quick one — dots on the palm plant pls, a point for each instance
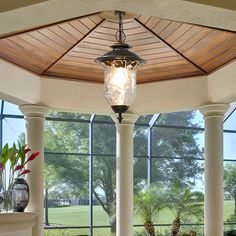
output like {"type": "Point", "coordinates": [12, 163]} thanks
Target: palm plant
{"type": "Point", "coordinates": [183, 203]}
{"type": "Point", "coordinates": [147, 204]}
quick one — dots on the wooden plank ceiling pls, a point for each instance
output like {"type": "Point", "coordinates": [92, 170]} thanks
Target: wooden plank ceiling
{"type": "Point", "coordinates": [172, 49]}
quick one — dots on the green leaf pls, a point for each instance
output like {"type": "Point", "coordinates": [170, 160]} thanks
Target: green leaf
{"type": "Point", "coordinates": [4, 155]}
{"type": "Point", "coordinates": [21, 153]}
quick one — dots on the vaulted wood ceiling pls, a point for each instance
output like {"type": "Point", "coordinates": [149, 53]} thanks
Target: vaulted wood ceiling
{"type": "Point", "coordinates": [68, 49]}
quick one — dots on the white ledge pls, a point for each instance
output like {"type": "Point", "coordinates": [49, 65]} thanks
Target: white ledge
{"type": "Point", "coordinates": [17, 223]}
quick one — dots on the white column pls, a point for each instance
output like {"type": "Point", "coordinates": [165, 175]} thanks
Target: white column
{"type": "Point", "coordinates": [124, 174]}
{"type": "Point", "coordinates": [34, 117]}
{"type": "Point", "coordinates": [214, 170]}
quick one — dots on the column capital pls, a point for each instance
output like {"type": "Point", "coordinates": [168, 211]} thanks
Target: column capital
{"type": "Point", "coordinates": [128, 118]}
{"type": "Point", "coordinates": [31, 110]}
{"type": "Point", "coordinates": [214, 109]}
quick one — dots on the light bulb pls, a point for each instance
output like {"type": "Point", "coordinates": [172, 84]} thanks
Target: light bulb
{"type": "Point", "coordinates": [119, 81]}
{"type": "Point", "coordinates": [120, 85]}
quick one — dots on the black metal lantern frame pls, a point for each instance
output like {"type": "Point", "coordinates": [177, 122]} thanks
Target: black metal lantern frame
{"type": "Point", "coordinates": [120, 72]}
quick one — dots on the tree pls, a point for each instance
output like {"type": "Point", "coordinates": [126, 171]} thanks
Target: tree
{"type": "Point", "coordinates": [176, 149]}
{"type": "Point", "coordinates": [147, 205]}
{"type": "Point", "coordinates": [230, 182]}
{"type": "Point", "coordinates": [72, 169]}
{"type": "Point", "coordinates": [67, 139]}
{"type": "Point", "coordinates": [50, 180]}
{"type": "Point", "coordinates": [183, 203]}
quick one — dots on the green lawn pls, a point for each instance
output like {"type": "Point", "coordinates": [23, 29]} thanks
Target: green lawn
{"type": "Point", "coordinates": [228, 209]}
{"type": "Point", "coordinates": [79, 216]}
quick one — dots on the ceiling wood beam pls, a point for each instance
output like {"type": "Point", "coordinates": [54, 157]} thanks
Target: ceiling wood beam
{"type": "Point", "coordinates": [169, 45]}
{"type": "Point", "coordinates": [74, 45]}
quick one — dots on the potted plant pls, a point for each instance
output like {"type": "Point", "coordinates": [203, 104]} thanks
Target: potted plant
{"type": "Point", "coordinates": [13, 162]}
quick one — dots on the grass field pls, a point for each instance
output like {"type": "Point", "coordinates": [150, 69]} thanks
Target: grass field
{"type": "Point", "coordinates": [79, 216]}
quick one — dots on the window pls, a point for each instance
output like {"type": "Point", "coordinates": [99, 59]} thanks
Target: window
{"type": "Point", "coordinates": [79, 149]}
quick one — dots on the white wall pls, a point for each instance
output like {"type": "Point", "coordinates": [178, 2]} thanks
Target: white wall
{"type": "Point", "coordinates": [53, 11]}
{"type": "Point", "coordinates": [21, 87]}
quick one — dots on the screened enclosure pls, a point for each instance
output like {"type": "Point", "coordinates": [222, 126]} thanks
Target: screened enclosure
{"type": "Point", "coordinates": [80, 167]}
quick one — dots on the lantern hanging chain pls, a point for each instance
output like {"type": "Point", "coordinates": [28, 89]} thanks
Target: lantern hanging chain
{"type": "Point", "coordinates": [120, 35]}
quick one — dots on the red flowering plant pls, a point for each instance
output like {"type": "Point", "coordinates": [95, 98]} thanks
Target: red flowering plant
{"type": "Point", "coordinates": [13, 165]}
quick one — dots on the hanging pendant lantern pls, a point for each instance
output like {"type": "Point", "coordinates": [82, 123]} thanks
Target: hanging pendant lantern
{"type": "Point", "coordinates": [120, 67]}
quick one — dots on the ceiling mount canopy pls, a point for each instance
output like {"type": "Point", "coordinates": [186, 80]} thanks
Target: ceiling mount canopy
{"type": "Point", "coordinates": [120, 67]}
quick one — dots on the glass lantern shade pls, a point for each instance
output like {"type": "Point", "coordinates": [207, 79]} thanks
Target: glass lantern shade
{"type": "Point", "coordinates": [120, 85]}
{"type": "Point", "coordinates": [120, 74]}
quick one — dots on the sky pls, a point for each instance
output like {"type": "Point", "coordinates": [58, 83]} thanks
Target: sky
{"type": "Point", "coordinates": [12, 127]}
